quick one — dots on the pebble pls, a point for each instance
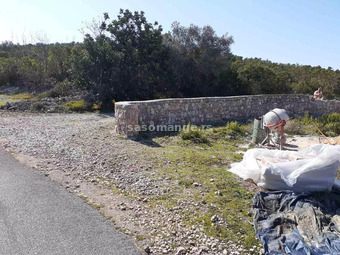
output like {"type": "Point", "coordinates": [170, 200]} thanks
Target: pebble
{"type": "Point", "coordinates": [215, 218]}
{"type": "Point", "coordinates": [181, 251]}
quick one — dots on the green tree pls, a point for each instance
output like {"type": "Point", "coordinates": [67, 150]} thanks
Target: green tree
{"type": "Point", "coordinates": [198, 57]}
{"type": "Point", "coordinates": [125, 61]}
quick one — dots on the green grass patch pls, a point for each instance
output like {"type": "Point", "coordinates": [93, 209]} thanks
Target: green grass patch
{"type": "Point", "coordinates": [77, 106]}
{"type": "Point", "coordinates": [22, 96]}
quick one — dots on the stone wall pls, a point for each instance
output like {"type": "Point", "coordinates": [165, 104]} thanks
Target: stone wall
{"type": "Point", "coordinates": [135, 116]}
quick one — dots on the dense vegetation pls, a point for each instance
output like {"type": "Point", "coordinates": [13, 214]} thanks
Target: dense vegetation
{"type": "Point", "coordinates": [129, 58]}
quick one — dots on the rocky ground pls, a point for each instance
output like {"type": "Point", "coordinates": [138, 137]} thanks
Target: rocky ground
{"type": "Point", "coordinates": [113, 174]}
{"type": "Point", "coordinates": [117, 176]}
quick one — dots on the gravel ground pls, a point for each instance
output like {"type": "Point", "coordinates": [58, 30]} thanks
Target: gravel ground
{"type": "Point", "coordinates": [113, 174]}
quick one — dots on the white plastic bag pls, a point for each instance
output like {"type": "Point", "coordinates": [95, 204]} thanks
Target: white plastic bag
{"type": "Point", "coordinates": [311, 169]}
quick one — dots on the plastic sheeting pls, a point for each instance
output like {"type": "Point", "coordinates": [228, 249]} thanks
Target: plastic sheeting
{"type": "Point", "coordinates": [311, 169]}
{"type": "Point", "coordinates": [299, 224]}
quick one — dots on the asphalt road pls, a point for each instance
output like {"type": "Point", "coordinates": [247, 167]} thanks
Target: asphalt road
{"type": "Point", "coordinates": [38, 216]}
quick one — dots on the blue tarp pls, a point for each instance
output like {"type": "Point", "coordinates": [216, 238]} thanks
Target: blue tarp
{"type": "Point", "coordinates": [298, 223]}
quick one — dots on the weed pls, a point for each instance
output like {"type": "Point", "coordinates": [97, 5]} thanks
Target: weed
{"type": "Point", "coordinates": [140, 237]}
{"type": "Point", "coordinates": [115, 190]}
{"type": "Point", "coordinates": [96, 206]}
{"type": "Point", "coordinates": [82, 196]}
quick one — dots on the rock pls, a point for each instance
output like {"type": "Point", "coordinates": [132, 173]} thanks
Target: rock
{"type": "Point", "coordinates": [204, 249]}
{"type": "Point", "coordinates": [181, 251]}
{"type": "Point", "coordinates": [218, 193]}
{"type": "Point", "coordinates": [147, 250]}
{"type": "Point", "coordinates": [215, 218]}
{"type": "Point", "coordinates": [194, 250]}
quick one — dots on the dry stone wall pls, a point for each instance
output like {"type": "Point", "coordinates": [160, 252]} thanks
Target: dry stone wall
{"type": "Point", "coordinates": [167, 114]}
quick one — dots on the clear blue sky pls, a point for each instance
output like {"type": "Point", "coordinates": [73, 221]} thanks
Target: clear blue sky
{"type": "Point", "coordinates": [286, 31]}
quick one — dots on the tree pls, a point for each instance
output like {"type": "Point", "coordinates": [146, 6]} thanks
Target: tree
{"type": "Point", "coordinates": [125, 61]}
{"type": "Point", "coordinates": [198, 57]}
{"type": "Point", "coordinates": [59, 61]}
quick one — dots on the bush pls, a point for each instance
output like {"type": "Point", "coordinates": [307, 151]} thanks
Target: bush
{"type": "Point", "coordinates": [331, 129]}
{"type": "Point", "coordinates": [232, 130]}
{"type": "Point", "coordinates": [38, 106]}
{"type": "Point", "coordinates": [307, 119]}
{"type": "Point", "coordinates": [297, 127]}
{"type": "Point", "coordinates": [194, 134]}
{"type": "Point", "coordinates": [62, 89]}
{"type": "Point", "coordinates": [328, 124]}
{"type": "Point", "coordinates": [331, 118]}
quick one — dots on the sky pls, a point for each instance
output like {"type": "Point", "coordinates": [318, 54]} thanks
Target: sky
{"type": "Point", "coordinates": [305, 32]}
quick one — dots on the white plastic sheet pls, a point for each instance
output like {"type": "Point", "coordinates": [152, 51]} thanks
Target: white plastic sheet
{"type": "Point", "coordinates": [311, 169]}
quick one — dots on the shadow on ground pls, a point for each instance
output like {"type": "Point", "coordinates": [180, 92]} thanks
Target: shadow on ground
{"type": "Point", "coordinates": [147, 138]}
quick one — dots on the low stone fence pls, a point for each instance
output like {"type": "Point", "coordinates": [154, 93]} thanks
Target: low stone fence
{"type": "Point", "coordinates": [133, 117]}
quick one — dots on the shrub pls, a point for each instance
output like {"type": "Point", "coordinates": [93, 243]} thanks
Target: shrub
{"type": "Point", "coordinates": [194, 134]}
{"type": "Point", "coordinates": [329, 124]}
{"type": "Point", "coordinates": [331, 118]}
{"type": "Point", "coordinates": [62, 89]}
{"type": "Point", "coordinates": [307, 119]}
{"type": "Point", "coordinates": [232, 130]}
{"type": "Point", "coordinates": [297, 127]}
{"type": "Point", "coordinates": [38, 106]}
